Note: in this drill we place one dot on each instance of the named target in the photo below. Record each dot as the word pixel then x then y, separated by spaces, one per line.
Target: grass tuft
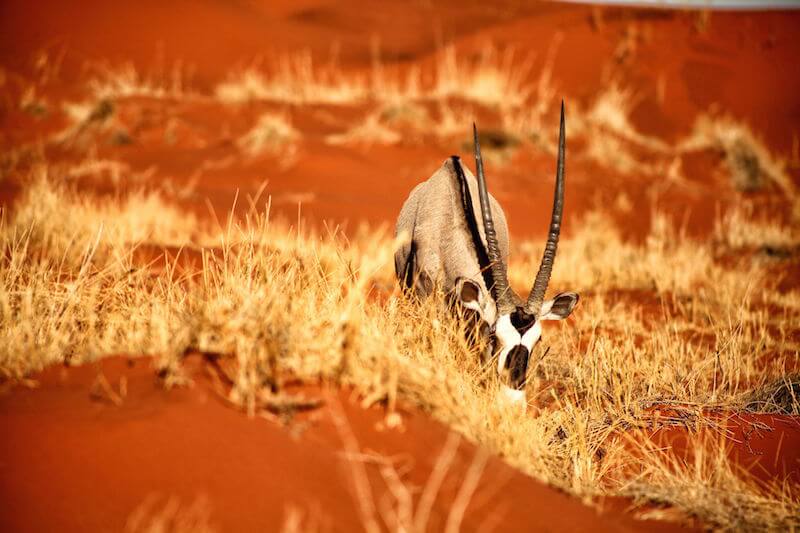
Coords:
pixel 271 133
pixel 275 304
pixel 752 167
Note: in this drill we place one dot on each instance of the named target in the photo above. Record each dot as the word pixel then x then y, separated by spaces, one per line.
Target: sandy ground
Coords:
pixel 73 460
pixel 66 447
pixel 739 63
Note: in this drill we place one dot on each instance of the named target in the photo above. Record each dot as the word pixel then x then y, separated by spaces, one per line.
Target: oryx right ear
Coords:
pixel 559 307
pixel 469 294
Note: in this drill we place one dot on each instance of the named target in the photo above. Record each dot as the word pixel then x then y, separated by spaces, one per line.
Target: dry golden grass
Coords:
pixel 86 119
pixel 406 108
pixel 284 304
pixel 611 112
pixel 435 100
pixel 750 163
pixel 740 227
pixel 287 304
pixel 125 81
pixel 293 79
pixel 611 138
pixel 707 482
pixel 489 80
pixel 77 281
pixel 691 332
pixel 371 131
pixel 271 133
pixel 393 123
pixel 496 79
pixel 117 225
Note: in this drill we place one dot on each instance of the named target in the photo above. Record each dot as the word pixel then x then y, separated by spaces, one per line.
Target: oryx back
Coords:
pixel 447 240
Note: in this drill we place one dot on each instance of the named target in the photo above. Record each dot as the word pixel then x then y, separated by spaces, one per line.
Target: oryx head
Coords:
pixel 517 327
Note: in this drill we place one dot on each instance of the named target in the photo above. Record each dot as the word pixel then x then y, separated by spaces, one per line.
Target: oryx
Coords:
pixel 449 249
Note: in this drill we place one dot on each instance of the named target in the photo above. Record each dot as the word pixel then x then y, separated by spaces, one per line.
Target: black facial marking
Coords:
pixel 522 321
pixel 517 363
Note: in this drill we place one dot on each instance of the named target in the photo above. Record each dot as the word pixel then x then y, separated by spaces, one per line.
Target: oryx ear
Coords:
pixel 559 307
pixel 469 294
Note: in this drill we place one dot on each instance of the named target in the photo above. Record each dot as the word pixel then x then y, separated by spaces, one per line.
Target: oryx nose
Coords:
pixel 517 365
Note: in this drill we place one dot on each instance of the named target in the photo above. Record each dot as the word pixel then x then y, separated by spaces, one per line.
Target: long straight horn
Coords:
pixel 536 297
pixel 499 275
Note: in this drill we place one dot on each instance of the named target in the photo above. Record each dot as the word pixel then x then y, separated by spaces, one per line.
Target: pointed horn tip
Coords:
pixel 476 141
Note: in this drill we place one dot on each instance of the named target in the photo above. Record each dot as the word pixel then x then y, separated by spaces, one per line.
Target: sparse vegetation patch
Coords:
pixel 277 305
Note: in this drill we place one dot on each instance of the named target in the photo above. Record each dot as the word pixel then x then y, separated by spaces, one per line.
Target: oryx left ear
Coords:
pixel 469 294
pixel 559 307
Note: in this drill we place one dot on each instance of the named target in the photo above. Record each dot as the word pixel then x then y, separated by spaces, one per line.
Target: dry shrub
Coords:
pixel 600 259
pixel 68 266
pixel 749 161
pixel 282 304
pixel 372 130
pixel 103 170
pixel 611 111
pixel 740 227
pixel 404 114
pixel 448 119
pixel 31 102
pixel 293 79
pixel 611 138
pixel 86 120
pixel 125 81
pixel 64 225
pixel 495 79
pixel 489 80
pixel 271 133
pixel 384 124
pixel 706 483
pixel 781 396
pixel 528 121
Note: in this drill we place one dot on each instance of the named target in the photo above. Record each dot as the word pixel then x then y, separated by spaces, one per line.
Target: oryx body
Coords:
pixel 459 242
pixel 441 217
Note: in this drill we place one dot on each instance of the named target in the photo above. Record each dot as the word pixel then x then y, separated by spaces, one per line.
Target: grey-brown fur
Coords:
pixel 441 247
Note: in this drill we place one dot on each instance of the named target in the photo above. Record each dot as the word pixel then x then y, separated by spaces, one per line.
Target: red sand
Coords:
pixel 73 462
pixel 69 463
pixel 765 446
